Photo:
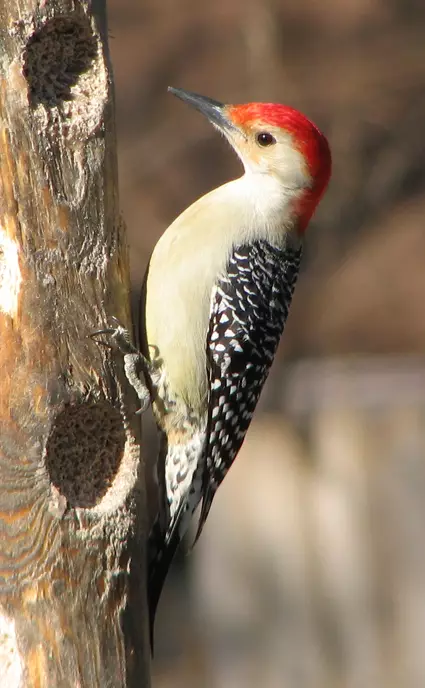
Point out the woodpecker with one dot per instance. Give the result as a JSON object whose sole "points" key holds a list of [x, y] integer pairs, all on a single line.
{"points": [[216, 297]]}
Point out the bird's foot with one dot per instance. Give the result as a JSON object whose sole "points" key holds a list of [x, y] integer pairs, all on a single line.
{"points": [[134, 361]]}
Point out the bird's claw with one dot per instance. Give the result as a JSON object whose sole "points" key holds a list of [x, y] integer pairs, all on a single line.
{"points": [[133, 360], [120, 336], [95, 335]]}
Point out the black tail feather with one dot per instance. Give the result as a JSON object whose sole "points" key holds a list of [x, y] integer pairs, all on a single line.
{"points": [[161, 555]]}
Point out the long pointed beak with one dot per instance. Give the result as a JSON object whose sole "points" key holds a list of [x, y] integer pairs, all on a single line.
{"points": [[212, 109]]}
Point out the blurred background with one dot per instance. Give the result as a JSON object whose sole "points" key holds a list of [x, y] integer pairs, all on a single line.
{"points": [[311, 570]]}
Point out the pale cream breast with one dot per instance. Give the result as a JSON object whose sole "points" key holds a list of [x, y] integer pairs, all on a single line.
{"points": [[185, 265]]}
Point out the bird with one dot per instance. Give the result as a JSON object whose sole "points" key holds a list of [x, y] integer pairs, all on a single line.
{"points": [[216, 297]]}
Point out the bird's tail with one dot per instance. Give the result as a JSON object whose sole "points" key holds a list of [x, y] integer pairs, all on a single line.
{"points": [[161, 555], [185, 466]]}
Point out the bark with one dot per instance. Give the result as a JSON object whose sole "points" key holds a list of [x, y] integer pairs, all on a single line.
{"points": [[72, 527]]}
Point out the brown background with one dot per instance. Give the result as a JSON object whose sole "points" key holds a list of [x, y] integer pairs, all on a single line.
{"points": [[311, 571]]}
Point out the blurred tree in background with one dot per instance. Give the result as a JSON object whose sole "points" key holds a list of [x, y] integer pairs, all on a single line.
{"points": [[319, 580]]}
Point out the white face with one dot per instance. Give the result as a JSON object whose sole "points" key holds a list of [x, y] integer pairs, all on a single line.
{"points": [[265, 149]]}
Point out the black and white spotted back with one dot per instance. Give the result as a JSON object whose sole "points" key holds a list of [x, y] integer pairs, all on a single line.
{"points": [[249, 307]]}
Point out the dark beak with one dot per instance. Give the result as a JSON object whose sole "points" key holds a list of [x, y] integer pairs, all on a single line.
{"points": [[212, 109]]}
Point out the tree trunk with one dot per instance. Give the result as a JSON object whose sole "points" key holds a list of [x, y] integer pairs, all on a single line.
{"points": [[72, 538]]}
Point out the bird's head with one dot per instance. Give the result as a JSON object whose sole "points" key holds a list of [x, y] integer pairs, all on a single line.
{"points": [[275, 140]]}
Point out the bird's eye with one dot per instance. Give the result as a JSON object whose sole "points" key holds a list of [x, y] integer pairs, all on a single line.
{"points": [[265, 139]]}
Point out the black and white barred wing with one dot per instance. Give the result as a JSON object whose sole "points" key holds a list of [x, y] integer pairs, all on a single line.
{"points": [[248, 313]]}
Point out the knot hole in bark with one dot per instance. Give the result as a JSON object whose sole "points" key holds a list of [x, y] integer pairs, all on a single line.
{"points": [[84, 451], [56, 56]]}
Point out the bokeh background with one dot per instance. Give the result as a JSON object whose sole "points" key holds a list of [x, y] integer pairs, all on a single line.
{"points": [[311, 570]]}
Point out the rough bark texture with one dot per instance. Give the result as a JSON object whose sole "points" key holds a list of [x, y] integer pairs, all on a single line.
{"points": [[72, 592]]}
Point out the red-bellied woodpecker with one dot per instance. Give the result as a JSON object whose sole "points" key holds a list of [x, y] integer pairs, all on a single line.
{"points": [[217, 293]]}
